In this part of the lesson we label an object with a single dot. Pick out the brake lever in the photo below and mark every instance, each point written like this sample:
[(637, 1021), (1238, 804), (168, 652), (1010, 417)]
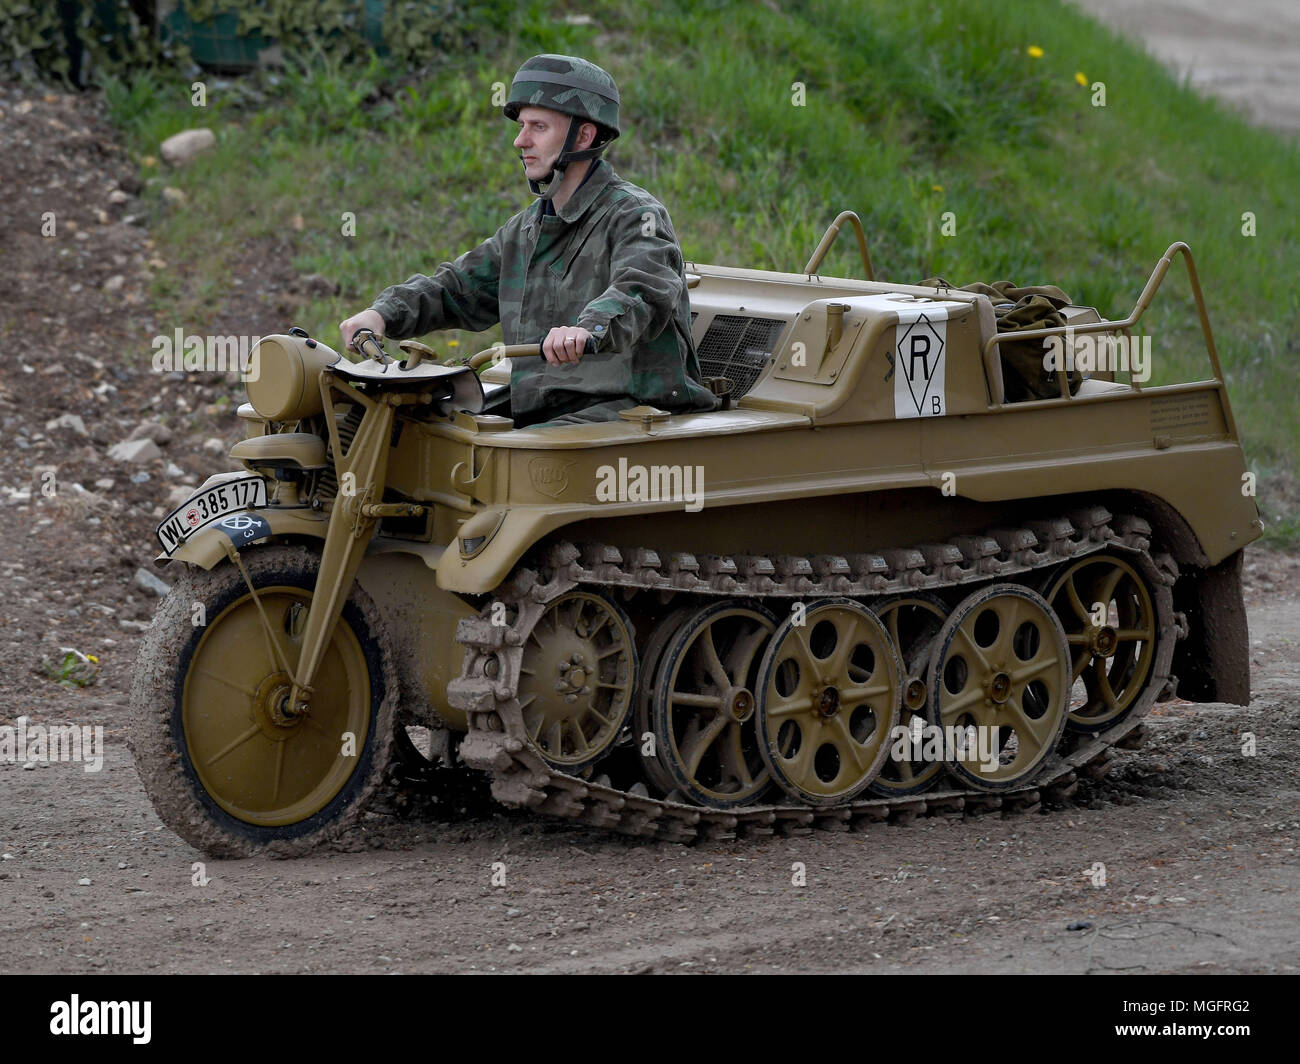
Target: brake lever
[(367, 336)]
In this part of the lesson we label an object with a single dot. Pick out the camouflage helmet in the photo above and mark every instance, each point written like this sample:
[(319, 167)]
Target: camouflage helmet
[(569, 85)]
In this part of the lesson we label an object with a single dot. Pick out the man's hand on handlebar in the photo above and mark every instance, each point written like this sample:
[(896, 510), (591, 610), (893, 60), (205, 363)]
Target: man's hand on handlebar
[(367, 319), (566, 343)]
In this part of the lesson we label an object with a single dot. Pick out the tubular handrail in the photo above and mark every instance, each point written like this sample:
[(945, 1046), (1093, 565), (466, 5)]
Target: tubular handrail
[(829, 238), (1139, 308)]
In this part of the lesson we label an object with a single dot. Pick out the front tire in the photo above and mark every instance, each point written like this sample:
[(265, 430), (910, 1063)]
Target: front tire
[(223, 766)]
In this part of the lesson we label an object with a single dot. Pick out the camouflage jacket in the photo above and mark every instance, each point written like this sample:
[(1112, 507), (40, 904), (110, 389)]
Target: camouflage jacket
[(609, 262)]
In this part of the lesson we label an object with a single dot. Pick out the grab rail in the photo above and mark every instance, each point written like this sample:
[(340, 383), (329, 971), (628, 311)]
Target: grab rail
[(829, 238), (1144, 301)]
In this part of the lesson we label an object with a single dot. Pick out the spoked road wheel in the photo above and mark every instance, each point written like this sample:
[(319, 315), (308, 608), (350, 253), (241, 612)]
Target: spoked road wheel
[(1109, 619), (576, 680), (228, 765), (912, 621), (643, 703), (829, 692), (1002, 665), (702, 707)]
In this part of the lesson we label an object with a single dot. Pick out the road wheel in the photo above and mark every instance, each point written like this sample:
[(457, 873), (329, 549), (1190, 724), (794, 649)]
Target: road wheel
[(643, 703), (912, 620), (702, 708), (1001, 664), (1109, 617), (577, 679), (829, 691)]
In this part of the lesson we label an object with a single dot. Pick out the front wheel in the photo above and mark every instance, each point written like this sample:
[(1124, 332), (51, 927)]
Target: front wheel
[(227, 766)]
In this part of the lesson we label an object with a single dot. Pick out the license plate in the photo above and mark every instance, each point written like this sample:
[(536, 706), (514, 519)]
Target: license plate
[(205, 507)]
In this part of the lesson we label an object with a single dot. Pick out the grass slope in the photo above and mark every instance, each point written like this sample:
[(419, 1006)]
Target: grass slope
[(908, 111)]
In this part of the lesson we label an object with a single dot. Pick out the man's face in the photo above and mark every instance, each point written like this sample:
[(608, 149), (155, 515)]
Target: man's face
[(541, 136)]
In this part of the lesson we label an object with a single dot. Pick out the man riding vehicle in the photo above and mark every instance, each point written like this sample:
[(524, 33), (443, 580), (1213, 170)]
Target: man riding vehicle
[(592, 270)]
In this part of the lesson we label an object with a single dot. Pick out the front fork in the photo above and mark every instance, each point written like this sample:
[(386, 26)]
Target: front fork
[(361, 474)]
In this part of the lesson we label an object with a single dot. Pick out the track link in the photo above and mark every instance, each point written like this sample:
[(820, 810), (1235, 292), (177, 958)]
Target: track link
[(496, 742)]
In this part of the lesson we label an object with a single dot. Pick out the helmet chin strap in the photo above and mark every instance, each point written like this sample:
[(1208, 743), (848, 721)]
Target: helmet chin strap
[(544, 190)]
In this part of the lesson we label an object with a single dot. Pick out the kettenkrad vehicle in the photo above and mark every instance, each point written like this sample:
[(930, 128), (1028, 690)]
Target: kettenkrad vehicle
[(896, 572)]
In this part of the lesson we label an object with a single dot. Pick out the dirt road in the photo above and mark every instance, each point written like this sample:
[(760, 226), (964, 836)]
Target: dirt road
[(1246, 53)]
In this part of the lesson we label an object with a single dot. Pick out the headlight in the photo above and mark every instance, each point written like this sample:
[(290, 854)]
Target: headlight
[(283, 376), (475, 533)]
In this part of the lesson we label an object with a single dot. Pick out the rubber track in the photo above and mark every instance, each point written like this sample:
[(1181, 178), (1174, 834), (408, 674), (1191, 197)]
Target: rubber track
[(496, 740)]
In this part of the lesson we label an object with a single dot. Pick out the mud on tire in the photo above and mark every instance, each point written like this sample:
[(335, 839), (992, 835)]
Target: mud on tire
[(158, 736)]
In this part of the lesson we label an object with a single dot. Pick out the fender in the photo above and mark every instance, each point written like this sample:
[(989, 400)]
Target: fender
[(245, 528), (399, 576), (509, 539), (1200, 482)]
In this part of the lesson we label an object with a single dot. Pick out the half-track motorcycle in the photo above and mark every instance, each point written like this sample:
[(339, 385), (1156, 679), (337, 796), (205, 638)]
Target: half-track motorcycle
[(701, 625)]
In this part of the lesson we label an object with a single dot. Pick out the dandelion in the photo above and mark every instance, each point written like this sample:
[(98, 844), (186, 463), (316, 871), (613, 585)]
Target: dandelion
[(92, 657), (936, 188), (1034, 52), (1080, 78), (453, 343)]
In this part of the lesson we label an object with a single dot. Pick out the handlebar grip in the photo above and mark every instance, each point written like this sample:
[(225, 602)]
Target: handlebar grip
[(367, 336)]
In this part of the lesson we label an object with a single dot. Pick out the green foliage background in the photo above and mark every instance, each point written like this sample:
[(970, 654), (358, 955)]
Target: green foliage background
[(33, 44), (121, 44)]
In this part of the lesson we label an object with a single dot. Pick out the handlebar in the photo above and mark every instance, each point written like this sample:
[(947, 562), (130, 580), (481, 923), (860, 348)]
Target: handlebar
[(416, 352)]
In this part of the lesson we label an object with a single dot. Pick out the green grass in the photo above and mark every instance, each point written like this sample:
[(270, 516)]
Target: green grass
[(911, 110)]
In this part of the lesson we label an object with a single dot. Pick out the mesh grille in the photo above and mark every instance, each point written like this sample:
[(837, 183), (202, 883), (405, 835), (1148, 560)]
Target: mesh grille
[(739, 349)]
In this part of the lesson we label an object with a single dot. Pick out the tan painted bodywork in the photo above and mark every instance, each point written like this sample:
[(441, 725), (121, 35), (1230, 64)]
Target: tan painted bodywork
[(826, 430), (1020, 453)]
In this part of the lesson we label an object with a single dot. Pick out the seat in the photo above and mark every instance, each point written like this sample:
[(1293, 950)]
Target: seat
[(303, 450)]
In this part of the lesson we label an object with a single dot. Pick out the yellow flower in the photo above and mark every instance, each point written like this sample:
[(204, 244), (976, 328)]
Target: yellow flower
[(1080, 78), (91, 657), (453, 343), (936, 188), (1034, 52)]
